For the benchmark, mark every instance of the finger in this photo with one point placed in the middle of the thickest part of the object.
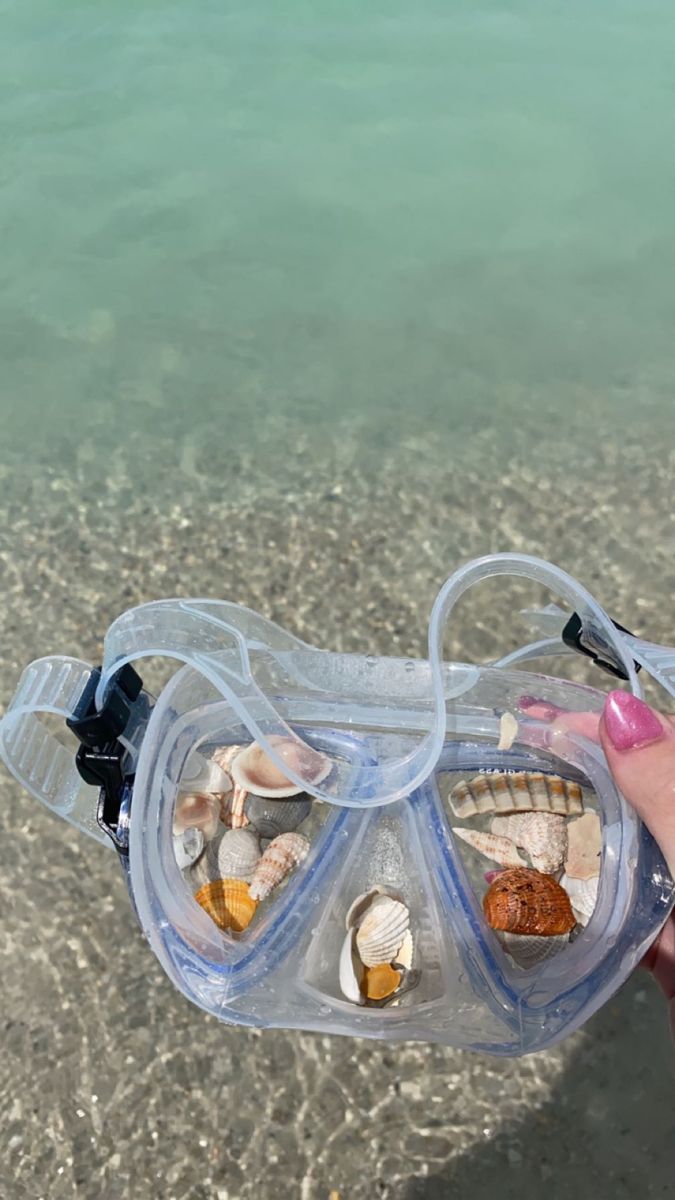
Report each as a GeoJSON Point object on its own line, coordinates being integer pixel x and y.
{"type": "Point", "coordinates": [639, 745]}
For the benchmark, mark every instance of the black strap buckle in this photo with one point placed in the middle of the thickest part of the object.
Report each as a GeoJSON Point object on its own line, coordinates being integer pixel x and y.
{"type": "Point", "coordinates": [99, 759]}
{"type": "Point", "coordinates": [574, 636]}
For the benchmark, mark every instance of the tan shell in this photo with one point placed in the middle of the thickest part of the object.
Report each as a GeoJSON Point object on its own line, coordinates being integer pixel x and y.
{"type": "Point", "coordinates": [583, 894]}
{"type": "Point", "coordinates": [526, 901]}
{"type": "Point", "coordinates": [499, 849]}
{"type": "Point", "coordinates": [228, 902]}
{"type": "Point", "coordinates": [380, 981]}
{"type": "Point", "coordinates": [404, 957]}
{"type": "Point", "coordinates": [197, 810]}
{"type": "Point", "coordinates": [529, 950]}
{"type": "Point", "coordinates": [542, 835]}
{"type": "Point", "coordinates": [282, 856]}
{"type": "Point", "coordinates": [508, 731]}
{"type": "Point", "coordinates": [585, 847]}
{"type": "Point", "coordinates": [518, 791]}
{"type": "Point", "coordinates": [380, 933]}
{"type": "Point", "coordinates": [254, 770]}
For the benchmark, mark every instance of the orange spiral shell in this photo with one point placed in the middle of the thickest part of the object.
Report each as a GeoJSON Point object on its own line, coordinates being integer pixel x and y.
{"type": "Point", "coordinates": [521, 900]}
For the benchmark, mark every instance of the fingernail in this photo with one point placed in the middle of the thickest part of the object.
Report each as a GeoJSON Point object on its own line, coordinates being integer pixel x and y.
{"type": "Point", "coordinates": [541, 710]}
{"type": "Point", "coordinates": [629, 722]}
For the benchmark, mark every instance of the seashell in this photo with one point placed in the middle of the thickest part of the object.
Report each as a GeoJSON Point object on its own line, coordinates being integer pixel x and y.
{"type": "Point", "coordinates": [254, 770]}
{"type": "Point", "coordinates": [583, 894]}
{"type": "Point", "coordinates": [490, 876]}
{"type": "Point", "coordinates": [187, 847]}
{"type": "Point", "coordinates": [380, 981]}
{"type": "Point", "coordinates": [526, 901]}
{"type": "Point", "coordinates": [499, 849]}
{"type": "Point", "coordinates": [204, 775]}
{"type": "Point", "coordinates": [519, 791]}
{"type": "Point", "coordinates": [351, 970]}
{"type": "Point", "coordinates": [234, 855]}
{"type": "Point", "coordinates": [272, 817]}
{"type": "Point", "coordinates": [542, 835]}
{"type": "Point", "coordinates": [228, 902]}
{"type": "Point", "coordinates": [585, 847]}
{"type": "Point", "coordinates": [381, 930]}
{"type": "Point", "coordinates": [404, 956]}
{"type": "Point", "coordinates": [197, 810]}
{"type": "Point", "coordinates": [359, 906]}
{"type": "Point", "coordinates": [529, 950]}
{"type": "Point", "coordinates": [283, 854]}
{"type": "Point", "coordinates": [508, 731]}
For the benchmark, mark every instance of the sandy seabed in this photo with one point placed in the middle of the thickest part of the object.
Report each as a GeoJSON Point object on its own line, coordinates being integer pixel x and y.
{"type": "Point", "coordinates": [111, 1084]}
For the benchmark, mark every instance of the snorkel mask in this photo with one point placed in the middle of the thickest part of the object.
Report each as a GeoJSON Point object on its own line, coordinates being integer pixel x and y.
{"type": "Point", "coordinates": [374, 846]}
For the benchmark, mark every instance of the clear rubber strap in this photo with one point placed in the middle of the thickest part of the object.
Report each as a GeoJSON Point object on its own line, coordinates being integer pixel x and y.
{"type": "Point", "coordinates": [41, 763]}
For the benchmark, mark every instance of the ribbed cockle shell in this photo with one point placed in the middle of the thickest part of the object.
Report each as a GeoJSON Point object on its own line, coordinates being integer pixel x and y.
{"type": "Point", "coordinates": [281, 857]}
{"type": "Point", "coordinates": [234, 855]}
{"type": "Point", "coordinates": [526, 901]}
{"type": "Point", "coordinates": [530, 950]}
{"type": "Point", "coordinates": [542, 835]}
{"type": "Point", "coordinates": [380, 932]}
{"type": "Point", "coordinates": [583, 894]}
{"type": "Point", "coordinates": [273, 817]}
{"type": "Point", "coordinates": [228, 902]}
{"type": "Point", "coordinates": [254, 770]}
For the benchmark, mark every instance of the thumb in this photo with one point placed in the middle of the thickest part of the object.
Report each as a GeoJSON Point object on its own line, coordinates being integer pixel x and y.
{"type": "Point", "coordinates": [639, 745]}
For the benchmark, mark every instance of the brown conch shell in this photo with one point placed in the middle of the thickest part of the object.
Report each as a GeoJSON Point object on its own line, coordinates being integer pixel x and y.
{"type": "Point", "coordinates": [283, 854]}
{"type": "Point", "coordinates": [585, 847]}
{"type": "Point", "coordinates": [518, 791]}
{"type": "Point", "coordinates": [380, 981]}
{"type": "Point", "coordinates": [228, 902]}
{"type": "Point", "coordinates": [526, 901]}
{"type": "Point", "coordinates": [542, 835]}
{"type": "Point", "coordinates": [499, 849]}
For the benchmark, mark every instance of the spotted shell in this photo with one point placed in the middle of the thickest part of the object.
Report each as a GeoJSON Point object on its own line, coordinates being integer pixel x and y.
{"type": "Point", "coordinates": [254, 770]}
{"type": "Point", "coordinates": [583, 894]}
{"type": "Point", "coordinates": [197, 810]}
{"type": "Point", "coordinates": [585, 847]}
{"type": "Point", "coordinates": [499, 849]}
{"type": "Point", "coordinates": [283, 854]}
{"type": "Point", "coordinates": [542, 835]}
{"type": "Point", "coordinates": [272, 817]}
{"type": "Point", "coordinates": [518, 791]}
{"type": "Point", "coordinates": [380, 981]}
{"type": "Point", "coordinates": [380, 932]}
{"type": "Point", "coordinates": [529, 950]}
{"type": "Point", "coordinates": [526, 901]}
{"type": "Point", "coordinates": [228, 902]}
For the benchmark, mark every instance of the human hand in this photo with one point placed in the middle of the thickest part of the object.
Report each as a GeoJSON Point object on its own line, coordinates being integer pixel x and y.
{"type": "Point", "coordinates": [639, 745]}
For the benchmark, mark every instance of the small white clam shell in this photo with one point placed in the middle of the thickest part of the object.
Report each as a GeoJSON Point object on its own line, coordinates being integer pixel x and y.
{"type": "Point", "coordinates": [583, 894]}
{"type": "Point", "coordinates": [254, 770]}
{"type": "Point", "coordinates": [381, 930]}
{"type": "Point", "coordinates": [187, 847]}
{"type": "Point", "coordinates": [204, 775]}
{"type": "Point", "coordinates": [234, 855]}
{"type": "Point", "coordinates": [350, 969]}
{"type": "Point", "coordinates": [272, 817]}
{"type": "Point", "coordinates": [508, 731]}
{"type": "Point", "coordinates": [359, 906]}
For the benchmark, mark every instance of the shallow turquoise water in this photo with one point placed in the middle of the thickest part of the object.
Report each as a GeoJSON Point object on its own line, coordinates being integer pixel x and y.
{"type": "Point", "coordinates": [433, 216]}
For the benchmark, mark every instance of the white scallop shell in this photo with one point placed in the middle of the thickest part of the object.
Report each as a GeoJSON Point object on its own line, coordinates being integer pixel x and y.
{"type": "Point", "coordinates": [518, 791]}
{"type": "Point", "coordinates": [272, 817]}
{"type": "Point", "coordinates": [254, 770]}
{"type": "Point", "coordinates": [499, 849]}
{"type": "Point", "coordinates": [542, 835]}
{"type": "Point", "coordinates": [350, 970]}
{"type": "Point", "coordinates": [381, 930]}
{"type": "Point", "coordinates": [187, 847]}
{"type": "Point", "coordinates": [529, 950]}
{"type": "Point", "coordinates": [359, 906]}
{"type": "Point", "coordinates": [234, 855]}
{"type": "Point", "coordinates": [583, 894]}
